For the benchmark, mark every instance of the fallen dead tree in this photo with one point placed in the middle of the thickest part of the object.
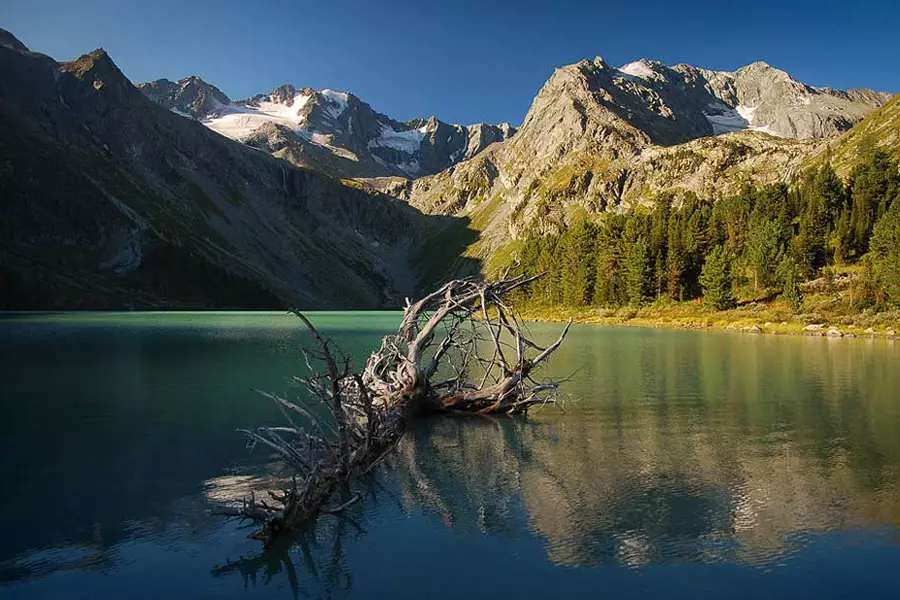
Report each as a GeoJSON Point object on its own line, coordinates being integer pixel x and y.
{"type": "Point", "coordinates": [459, 349]}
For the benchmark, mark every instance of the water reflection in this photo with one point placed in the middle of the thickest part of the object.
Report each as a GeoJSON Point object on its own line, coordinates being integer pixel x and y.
{"type": "Point", "coordinates": [599, 491]}
{"type": "Point", "coordinates": [683, 450]}
{"type": "Point", "coordinates": [312, 560]}
{"type": "Point", "coordinates": [318, 549]}
{"type": "Point", "coordinates": [740, 460]}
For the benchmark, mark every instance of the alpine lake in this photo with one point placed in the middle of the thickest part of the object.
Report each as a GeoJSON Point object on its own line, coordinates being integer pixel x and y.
{"type": "Point", "coordinates": [681, 465]}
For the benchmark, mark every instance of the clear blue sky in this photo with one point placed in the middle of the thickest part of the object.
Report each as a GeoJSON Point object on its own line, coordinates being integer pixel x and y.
{"type": "Point", "coordinates": [464, 61]}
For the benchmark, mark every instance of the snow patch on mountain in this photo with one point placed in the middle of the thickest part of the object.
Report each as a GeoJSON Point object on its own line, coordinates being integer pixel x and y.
{"type": "Point", "coordinates": [407, 141]}
{"type": "Point", "coordinates": [238, 121]}
{"type": "Point", "coordinates": [725, 119]}
{"type": "Point", "coordinates": [747, 113]}
{"type": "Point", "coordinates": [638, 68]}
{"type": "Point", "coordinates": [337, 102]}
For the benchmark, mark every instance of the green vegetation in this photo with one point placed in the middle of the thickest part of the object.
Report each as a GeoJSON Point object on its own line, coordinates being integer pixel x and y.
{"type": "Point", "coordinates": [886, 252]}
{"type": "Point", "coordinates": [791, 293]}
{"type": "Point", "coordinates": [880, 126]}
{"type": "Point", "coordinates": [718, 286]}
{"type": "Point", "coordinates": [758, 247]}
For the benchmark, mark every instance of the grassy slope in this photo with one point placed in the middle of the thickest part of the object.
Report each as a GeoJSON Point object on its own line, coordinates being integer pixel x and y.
{"type": "Point", "coordinates": [883, 126]}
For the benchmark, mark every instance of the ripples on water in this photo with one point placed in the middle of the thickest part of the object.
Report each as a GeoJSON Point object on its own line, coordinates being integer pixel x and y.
{"type": "Point", "coordinates": [685, 465]}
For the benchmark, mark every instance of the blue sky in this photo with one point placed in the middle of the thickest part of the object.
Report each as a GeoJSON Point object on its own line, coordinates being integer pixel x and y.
{"type": "Point", "coordinates": [460, 60]}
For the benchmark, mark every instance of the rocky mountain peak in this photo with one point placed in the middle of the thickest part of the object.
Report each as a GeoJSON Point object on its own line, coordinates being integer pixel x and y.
{"type": "Point", "coordinates": [189, 97]}
{"type": "Point", "coordinates": [645, 68]}
{"type": "Point", "coordinates": [110, 200]}
{"type": "Point", "coordinates": [680, 103]}
{"type": "Point", "coordinates": [759, 65]}
{"type": "Point", "coordinates": [284, 94]}
{"type": "Point", "coordinates": [598, 137]}
{"type": "Point", "coordinates": [99, 70]}
{"type": "Point", "coordinates": [761, 71]}
{"type": "Point", "coordinates": [327, 129]}
{"type": "Point", "coordinates": [96, 61]}
{"type": "Point", "coordinates": [10, 41]}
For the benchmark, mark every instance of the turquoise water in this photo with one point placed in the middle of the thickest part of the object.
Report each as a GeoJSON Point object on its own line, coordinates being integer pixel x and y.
{"type": "Point", "coordinates": [685, 464]}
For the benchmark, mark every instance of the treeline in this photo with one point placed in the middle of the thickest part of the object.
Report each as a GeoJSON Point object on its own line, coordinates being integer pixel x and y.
{"type": "Point", "coordinates": [762, 241]}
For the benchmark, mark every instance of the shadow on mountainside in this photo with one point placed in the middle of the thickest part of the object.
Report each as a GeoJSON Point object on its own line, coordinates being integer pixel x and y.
{"type": "Point", "coordinates": [442, 255]}
{"type": "Point", "coordinates": [111, 201]}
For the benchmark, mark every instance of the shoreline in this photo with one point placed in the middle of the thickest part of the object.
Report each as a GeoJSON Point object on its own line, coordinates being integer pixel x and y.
{"type": "Point", "coordinates": [671, 317]}
{"type": "Point", "coordinates": [830, 328]}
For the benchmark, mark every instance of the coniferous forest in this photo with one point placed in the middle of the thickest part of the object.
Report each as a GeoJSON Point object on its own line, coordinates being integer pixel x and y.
{"type": "Point", "coordinates": [760, 244]}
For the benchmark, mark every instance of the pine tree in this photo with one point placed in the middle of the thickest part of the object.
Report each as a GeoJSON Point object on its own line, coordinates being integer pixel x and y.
{"type": "Point", "coordinates": [875, 182]}
{"type": "Point", "coordinates": [822, 196]}
{"type": "Point", "coordinates": [717, 281]}
{"type": "Point", "coordinates": [762, 252]}
{"type": "Point", "coordinates": [886, 252]}
{"type": "Point", "coordinates": [790, 292]}
{"type": "Point", "coordinates": [579, 264]}
{"type": "Point", "coordinates": [689, 249]}
{"type": "Point", "coordinates": [675, 261]}
{"type": "Point", "coordinates": [840, 242]}
{"type": "Point", "coordinates": [609, 275]}
{"type": "Point", "coordinates": [638, 276]}
{"type": "Point", "coordinates": [829, 187]}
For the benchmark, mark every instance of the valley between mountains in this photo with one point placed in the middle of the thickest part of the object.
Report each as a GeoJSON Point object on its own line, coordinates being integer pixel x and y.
{"type": "Point", "coordinates": [171, 195]}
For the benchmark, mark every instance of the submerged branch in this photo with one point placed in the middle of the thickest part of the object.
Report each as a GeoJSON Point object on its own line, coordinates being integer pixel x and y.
{"type": "Point", "coordinates": [367, 411]}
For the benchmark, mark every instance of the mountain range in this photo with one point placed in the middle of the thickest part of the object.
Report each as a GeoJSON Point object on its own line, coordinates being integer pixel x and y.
{"type": "Point", "coordinates": [600, 138]}
{"type": "Point", "coordinates": [171, 195]}
{"type": "Point", "coordinates": [111, 201]}
{"type": "Point", "coordinates": [331, 131]}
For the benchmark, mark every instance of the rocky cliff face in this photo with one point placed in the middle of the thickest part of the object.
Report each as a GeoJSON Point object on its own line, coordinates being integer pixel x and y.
{"type": "Point", "coordinates": [763, 98]}
{"type": "Point", "coordinates": [599, 138]}
{"type": "Point", "coordinates": [190, 97]}
{"type": "Point", "coordinates": [335, 132]}
{"type": "Point", "coordinates": [111, 201]}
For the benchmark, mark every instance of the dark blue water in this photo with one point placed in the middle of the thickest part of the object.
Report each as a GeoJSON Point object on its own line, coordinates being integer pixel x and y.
{"type": "Point", "coordinates": [685, 465]}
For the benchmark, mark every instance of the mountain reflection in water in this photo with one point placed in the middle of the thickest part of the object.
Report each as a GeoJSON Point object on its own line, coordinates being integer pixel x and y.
{"type": "Point", "coordinates": [685, 464]}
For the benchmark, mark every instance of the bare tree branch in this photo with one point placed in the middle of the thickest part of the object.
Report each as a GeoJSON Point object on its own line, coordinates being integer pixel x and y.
{"type": "Point", "coordinates": [369, 410]}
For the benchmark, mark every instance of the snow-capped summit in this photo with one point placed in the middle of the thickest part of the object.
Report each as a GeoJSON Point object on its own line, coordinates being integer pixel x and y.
{"type": "Point", "coordinates": [326, 129]}
{"type": "Point", "coordinates": [675, 104]}
{"type": "Point", "coordinates": [643, 68]}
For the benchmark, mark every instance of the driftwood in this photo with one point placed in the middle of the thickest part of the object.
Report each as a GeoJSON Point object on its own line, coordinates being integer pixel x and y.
{"type": "Point", "coordinates": [459, 349]}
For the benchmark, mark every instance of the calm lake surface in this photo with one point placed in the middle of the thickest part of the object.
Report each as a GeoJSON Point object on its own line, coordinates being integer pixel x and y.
{"type": "Point", "coordinates": [686, 465]}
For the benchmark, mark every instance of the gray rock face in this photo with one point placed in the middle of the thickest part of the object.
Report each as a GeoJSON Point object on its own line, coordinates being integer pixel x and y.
{"type": "Point", "coordinates": [770, 100]}
{"type": "Point", "coordinates": [676, 104]}
{"type": "Point", "coordinates": [189, 97]}
{"type": "Point", "coordinates": [599, 137]}
{"type": "Point", "coordinates": [335, 132]}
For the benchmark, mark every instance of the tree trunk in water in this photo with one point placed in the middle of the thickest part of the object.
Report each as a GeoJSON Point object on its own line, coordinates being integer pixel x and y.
{"type": "Point", "coordinates": [464, 332]}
